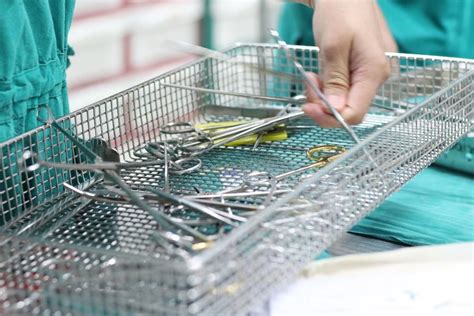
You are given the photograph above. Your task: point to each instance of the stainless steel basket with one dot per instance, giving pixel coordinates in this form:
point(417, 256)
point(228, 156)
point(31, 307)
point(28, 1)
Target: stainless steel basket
point(65, 255)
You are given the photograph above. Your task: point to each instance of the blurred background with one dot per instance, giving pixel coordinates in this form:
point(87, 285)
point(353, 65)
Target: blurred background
point(120, 43)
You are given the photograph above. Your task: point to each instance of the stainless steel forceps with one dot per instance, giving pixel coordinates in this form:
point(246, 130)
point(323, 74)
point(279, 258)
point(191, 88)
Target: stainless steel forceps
point(163, 220)
point(201, 143)
point(321, 155)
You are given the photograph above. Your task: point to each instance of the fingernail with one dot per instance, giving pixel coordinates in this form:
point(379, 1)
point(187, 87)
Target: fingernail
point(337, 101)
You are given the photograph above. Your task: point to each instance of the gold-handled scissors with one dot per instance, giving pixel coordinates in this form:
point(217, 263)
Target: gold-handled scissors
point(321, 155)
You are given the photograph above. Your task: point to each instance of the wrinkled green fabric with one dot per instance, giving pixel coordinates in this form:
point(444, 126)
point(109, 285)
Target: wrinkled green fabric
point(436, 206)
point(34, 57)
point(34, 51)
point(442, 27)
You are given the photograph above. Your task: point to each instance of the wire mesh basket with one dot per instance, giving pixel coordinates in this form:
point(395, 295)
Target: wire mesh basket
point(63, 254)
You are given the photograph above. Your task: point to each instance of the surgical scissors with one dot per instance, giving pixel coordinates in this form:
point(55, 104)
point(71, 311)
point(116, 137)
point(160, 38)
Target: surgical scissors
point(263, 184)
point(284, 111)
point(321, 155)
point(179, 167)
point(201, 143)
point(164, 197)
point(163, 220)
point(165, 152)
point(148, 155)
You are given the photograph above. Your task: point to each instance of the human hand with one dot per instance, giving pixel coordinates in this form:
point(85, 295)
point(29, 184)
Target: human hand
point(353, 37)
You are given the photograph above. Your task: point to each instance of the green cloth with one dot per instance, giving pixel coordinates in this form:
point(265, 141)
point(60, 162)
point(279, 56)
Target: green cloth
point(441, 27)
point(437, 205)
point(33, 60)
point(34, 53)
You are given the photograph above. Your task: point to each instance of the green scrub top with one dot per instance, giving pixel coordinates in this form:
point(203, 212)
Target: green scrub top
point(441, 27)
point(33, 60)
point(437, 206)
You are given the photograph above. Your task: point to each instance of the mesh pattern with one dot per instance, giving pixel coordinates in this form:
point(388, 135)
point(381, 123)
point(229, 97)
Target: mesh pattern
point(66, 255)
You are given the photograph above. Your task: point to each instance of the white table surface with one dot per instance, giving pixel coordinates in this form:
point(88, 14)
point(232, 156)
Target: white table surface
point(434, 280)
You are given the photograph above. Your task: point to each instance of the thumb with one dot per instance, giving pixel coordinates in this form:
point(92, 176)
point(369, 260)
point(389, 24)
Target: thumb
point(336, 74)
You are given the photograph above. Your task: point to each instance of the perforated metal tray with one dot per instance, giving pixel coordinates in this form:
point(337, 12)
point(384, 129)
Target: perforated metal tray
point(61, 255)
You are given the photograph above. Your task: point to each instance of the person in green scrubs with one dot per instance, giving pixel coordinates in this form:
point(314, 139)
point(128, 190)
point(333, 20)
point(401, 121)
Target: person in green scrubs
point(437, 206)
point(33, 60)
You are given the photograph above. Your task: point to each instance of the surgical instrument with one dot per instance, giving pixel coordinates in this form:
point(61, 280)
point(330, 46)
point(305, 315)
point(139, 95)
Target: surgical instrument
point(317, 155)
point(282, 44)
point(163, 220)
point(206, 52)
point(235, 195)
point(321, 155)
point(194, 148)
point(158, 196)
point(233, 94)
point(165, 168)
point(175, 167)
point(282, 112)
point(175, 200)
point(204, 140)
point(313, 86)
point(179, 241)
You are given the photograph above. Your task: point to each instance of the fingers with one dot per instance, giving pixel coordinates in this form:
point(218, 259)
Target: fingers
point(335, 52)
point(358, 103)
point(317, 112)
point(365, 82)
point(335, 59)
point(353, 38)
point(363, 89)
point(315, 109)
point(310, 93)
